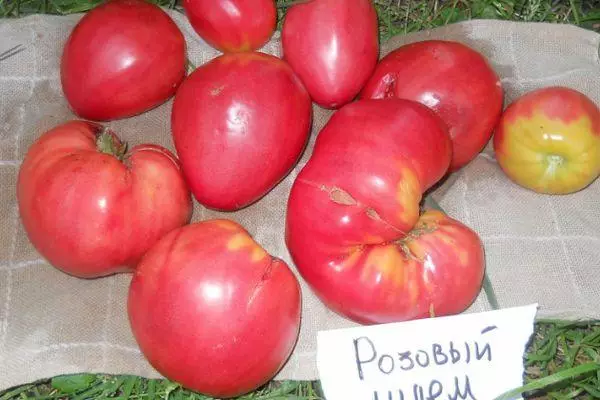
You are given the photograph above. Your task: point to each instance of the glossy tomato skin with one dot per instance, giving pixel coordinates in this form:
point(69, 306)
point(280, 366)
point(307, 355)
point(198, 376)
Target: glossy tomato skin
point(239, 123)
point(548, 140)
point(353, 225)
point(233, 25)
point(90, 214)
point(333, 46)
point(123, 58)
point(213, 311)
point(451, 78)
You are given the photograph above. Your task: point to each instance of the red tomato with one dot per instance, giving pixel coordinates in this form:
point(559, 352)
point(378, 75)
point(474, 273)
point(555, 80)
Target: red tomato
point(549, 141)
point(213, 311)
point(233, 25)
point(240, 123)
point(353, 226)
point(92, 210)
point(333, 46)
point(452, 79)
point(123, 58)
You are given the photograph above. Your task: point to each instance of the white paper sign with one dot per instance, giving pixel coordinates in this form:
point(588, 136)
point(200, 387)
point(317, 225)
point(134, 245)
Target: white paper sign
point(475, 356)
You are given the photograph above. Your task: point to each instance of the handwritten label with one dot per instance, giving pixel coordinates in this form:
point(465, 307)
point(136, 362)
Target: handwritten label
point(475, 356)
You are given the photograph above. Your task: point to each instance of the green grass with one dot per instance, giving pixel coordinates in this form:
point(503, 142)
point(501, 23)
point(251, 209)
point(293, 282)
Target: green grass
point(396, 16)
point(563, 358)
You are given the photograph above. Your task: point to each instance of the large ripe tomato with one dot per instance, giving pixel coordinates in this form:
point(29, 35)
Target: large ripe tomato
point(123, 58)
point(353, 224)
point(232, 25)
point(333, 46)
point(92, 209)
point(549, 141)
point(240, 123)
point(213, 311)
point(452, 79)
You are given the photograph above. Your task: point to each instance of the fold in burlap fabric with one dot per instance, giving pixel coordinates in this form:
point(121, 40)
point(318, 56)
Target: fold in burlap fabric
point(539, 248)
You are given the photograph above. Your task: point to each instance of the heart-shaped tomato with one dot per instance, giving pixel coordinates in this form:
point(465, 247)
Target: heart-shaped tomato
point(240, 123)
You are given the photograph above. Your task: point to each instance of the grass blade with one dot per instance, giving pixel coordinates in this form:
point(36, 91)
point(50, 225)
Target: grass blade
point(490, 294)
point(559, 377)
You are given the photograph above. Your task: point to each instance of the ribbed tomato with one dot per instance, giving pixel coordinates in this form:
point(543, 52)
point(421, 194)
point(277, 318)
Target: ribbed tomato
point(354, 227)
point(93, 209)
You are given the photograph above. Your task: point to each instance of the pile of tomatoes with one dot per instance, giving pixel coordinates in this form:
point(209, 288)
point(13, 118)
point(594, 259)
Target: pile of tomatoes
point(209, 307)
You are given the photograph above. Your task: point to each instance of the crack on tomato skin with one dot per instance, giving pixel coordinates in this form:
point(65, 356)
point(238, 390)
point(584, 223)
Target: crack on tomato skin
point(424, 229)
point(340, 196)
point(403, 244)
point(404, 249)
point(345, 198)
point(374, 215)
point(389, 88)
point(268, 272)
point(431, 310)
point(266, 275)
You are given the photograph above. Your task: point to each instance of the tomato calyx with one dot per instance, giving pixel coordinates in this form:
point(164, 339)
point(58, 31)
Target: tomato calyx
point(108, 143)
point(554, 162)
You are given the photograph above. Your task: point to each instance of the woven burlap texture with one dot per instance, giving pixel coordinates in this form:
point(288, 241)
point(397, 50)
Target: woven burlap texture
point(539, 248)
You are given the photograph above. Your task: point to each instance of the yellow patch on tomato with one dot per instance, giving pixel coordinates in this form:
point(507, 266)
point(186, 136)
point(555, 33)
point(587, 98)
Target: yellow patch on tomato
point(227, 225)
point(242, 241)
point(416, 248)
point(353, 258)
point(408, 195)
point(549, 155)
point(413, 291)
point(447, 236)
point(373, 239)
point(463, 257)
point(430, 217)
point(419, 250)
point(384, 263)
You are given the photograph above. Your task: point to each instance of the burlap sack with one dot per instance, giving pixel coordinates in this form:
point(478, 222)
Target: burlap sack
point(539, 248)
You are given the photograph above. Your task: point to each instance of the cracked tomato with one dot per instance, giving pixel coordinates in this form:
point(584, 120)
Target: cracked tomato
point(211, 310)
point(354, 227)
point(123, 58)
point(549, 141)
point(93, 209)
point(452, 79)
point(232, 25)
point(333, 46)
